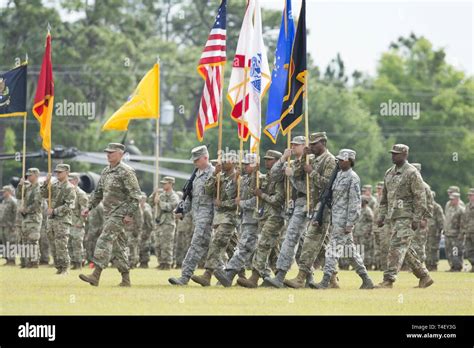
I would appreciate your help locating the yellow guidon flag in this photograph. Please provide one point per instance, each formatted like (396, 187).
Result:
(143, 103)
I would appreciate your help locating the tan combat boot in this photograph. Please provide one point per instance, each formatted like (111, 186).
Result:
(425, 281)
(386, 284)
(298, 282)
(333, 282)
(251, 282)
(92, 279)
(203, 280)
(125, 280)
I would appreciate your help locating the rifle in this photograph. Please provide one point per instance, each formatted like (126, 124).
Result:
(325, 198)
(187, 192)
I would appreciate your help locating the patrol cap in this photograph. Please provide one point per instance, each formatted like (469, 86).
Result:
(346, 154)
(62, 167)
(399, 148)
(74, 175)
(7, 188)
(32, 171)
(273, 154)
(112, 147)
(229, 157)
(168, 180)
(316, 137)
(471, 191)
(198, 152)
(299, 140)
(380, 184)
(453, 189)
(368, 186)
(250, 158)
(454, 195)
(417, 166)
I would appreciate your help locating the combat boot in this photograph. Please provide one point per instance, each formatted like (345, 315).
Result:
(309, 281)
(74, 266)
(165, 266)
(94, 278)
(425, 281)
(177, 266)
(297, 282)
(33, 265)
(225, 277)
(251, 282)
(278, 281)
(386, 284)
(366, 282)
(10, 263)
(203, 280)
(179, 281)
(333, 282)
(143, 265)
(241, 273)
(324, 284)
(44, 263)
(125, 280)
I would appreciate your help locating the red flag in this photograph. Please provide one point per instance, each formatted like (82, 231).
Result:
(44, 97)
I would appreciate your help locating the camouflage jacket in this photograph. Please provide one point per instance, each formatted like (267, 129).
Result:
(80, 204)
(346, 201)
(248, 200)
(118, 190)
(297, 179)
(147, 218)
(273, 195)
(403, 194)
(63, 198)
(373, 202)
(8, 212)
(467, 220)
(364, 225)
(164, 212)
(436, 222)
(429, 201)
(226, 212)
(136, 225)
(452, 223)
(201, 202)
(96, 219)
(32, 204)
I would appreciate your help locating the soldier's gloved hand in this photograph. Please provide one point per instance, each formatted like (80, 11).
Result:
(22, 181)
(308, 168)
(288, 171)
(48, 178)
(286, 154)
(127, 220)
(85, 213)
(217, 202)
(380, 223)
(49, 211)
(237, 201)
(307, 150)
(415, 225)
(258, 192)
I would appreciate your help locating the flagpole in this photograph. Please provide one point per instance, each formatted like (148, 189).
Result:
(219, 141)
(50, 142)
(242, 115)
(23, 170)
(157, 140)
(288, 189)
(306, 130)
(258, 176)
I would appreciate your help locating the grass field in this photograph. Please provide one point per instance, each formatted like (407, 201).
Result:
(41, 292)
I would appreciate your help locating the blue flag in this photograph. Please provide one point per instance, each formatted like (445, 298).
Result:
(280, 73)
(13, 92)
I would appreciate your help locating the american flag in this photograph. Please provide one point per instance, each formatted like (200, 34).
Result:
(210, 68)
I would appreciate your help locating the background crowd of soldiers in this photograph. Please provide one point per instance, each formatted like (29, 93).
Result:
(236, 219)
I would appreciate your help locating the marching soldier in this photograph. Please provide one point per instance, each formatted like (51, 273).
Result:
(63, 196)
(316, 238)
(133, 230)
(7, 223)
(345, 211)
(119, 191)
(225, 216)
(450, 190)
(201, 207)
(147, 229)
(403, 207)
(272, 198)
(43, 241)
(95, 223)
(467, 228)
(380, 245)
(184, 234)
(30, 209)
(435, 228)
(166, 223)
(452, 232)
(76, 238)
(367, 192)
(363, 236)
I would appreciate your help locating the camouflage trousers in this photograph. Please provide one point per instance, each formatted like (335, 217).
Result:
(133, 240)
(145, 245)
(400, 249)
(432, 248)
(342, 244)
(199, 243)
(164, 243)
(76, 244)
(184, 234)
(219, 246)
(365, 243)
(269, 235)
(58, 236)
(44, 244)
(245, 247)
(9, 240)
(90, 240)
(419, 243)
(454, 246)
(112, 242)
(384, 237)
(469, 248)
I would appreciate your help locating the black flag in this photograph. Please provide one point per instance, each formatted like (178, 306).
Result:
(13, 92)
(292, 108)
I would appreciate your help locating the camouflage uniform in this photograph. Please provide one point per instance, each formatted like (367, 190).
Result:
(31, 222)
(76, 237)
(119, 192)
(363, 236)
(164, 230)
(184, 234)
(467, 229)
(63, 196)
(43, 241)
(95, 223)
(453, 236)
(435, 226)
(8, 213)
(403, 201)
(133, 231)
(147, 228)
(381, 238)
